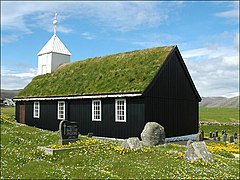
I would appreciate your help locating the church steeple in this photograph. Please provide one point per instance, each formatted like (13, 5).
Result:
(53, 54)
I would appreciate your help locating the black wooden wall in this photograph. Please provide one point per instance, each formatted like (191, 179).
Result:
(81, 112)
(48, 115)
(171, 100)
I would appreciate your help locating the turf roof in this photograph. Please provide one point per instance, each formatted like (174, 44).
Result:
(117, 73)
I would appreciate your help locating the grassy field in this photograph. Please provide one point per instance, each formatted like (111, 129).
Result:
(21, 159)
(230, 115)
(8, 110)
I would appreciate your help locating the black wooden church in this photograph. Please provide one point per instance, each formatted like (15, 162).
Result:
(115, 95)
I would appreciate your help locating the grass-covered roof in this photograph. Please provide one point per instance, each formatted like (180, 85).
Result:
(117, 73)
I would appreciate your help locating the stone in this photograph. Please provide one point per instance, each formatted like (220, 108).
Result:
(153, 134)
(197, 151)
(68, 132)
(235, 135)
(90, 135)
(199, 137)
(224, 137)
(216, 133)
(189, 142)
(210, 135)
(218, 138)
(202, 132)
(214, 138)
(231, 139)
(132, 143)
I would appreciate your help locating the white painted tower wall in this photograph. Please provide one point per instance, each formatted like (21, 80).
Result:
(49, 62)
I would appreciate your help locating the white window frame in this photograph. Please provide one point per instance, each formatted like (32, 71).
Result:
(119, 110)
(95, 110)
(61, 112)
(36, 109)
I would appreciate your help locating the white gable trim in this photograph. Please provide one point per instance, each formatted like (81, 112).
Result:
(81, 97)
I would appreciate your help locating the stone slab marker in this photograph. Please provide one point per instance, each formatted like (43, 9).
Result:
(235, 135)
(198, 137)
(68, 132)
(202, 133)
(197, 151)
(210, 135)
(224, 137)
(231, 139)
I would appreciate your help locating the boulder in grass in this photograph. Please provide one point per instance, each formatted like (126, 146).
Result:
(153, 134)
(132, 143)
(197, 151)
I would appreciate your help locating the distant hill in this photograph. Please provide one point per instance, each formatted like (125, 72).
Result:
(9, 93)
(220, 102)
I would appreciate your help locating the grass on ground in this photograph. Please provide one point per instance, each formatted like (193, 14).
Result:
(21, 159)
(222, 115)
(8, 110)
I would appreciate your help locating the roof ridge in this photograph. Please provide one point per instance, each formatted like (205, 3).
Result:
(114, 73)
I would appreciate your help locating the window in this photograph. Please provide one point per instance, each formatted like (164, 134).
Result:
(120, 110)
(61, 110)
(36, 109)
(96, 110)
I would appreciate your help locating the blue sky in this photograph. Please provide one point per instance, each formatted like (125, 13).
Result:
(207, 34)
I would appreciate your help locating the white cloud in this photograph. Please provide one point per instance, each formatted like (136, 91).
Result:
(16, 79)
(232, 14)
(196, 52)
(229, 14)
(9, 38)
(87, 35)
(149, 40)
(215, 70)
(125, 16)
(21, 17)
(236, 41)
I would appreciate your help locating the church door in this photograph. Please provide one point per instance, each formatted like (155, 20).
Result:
(22, 113)
(44, 69)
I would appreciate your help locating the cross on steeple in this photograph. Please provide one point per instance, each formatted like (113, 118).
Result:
(55, 24)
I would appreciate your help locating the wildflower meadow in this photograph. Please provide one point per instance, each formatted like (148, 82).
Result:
(104, 159)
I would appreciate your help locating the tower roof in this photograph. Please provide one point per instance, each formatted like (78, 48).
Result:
(54, 45)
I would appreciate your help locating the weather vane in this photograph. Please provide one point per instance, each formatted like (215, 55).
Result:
(55, 24)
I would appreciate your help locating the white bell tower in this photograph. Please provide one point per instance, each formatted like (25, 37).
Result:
(53, 54)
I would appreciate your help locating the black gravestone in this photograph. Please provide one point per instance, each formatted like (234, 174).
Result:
(68, 132)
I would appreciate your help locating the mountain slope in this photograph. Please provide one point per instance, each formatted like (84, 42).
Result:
(9, 93)
(220, 102)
